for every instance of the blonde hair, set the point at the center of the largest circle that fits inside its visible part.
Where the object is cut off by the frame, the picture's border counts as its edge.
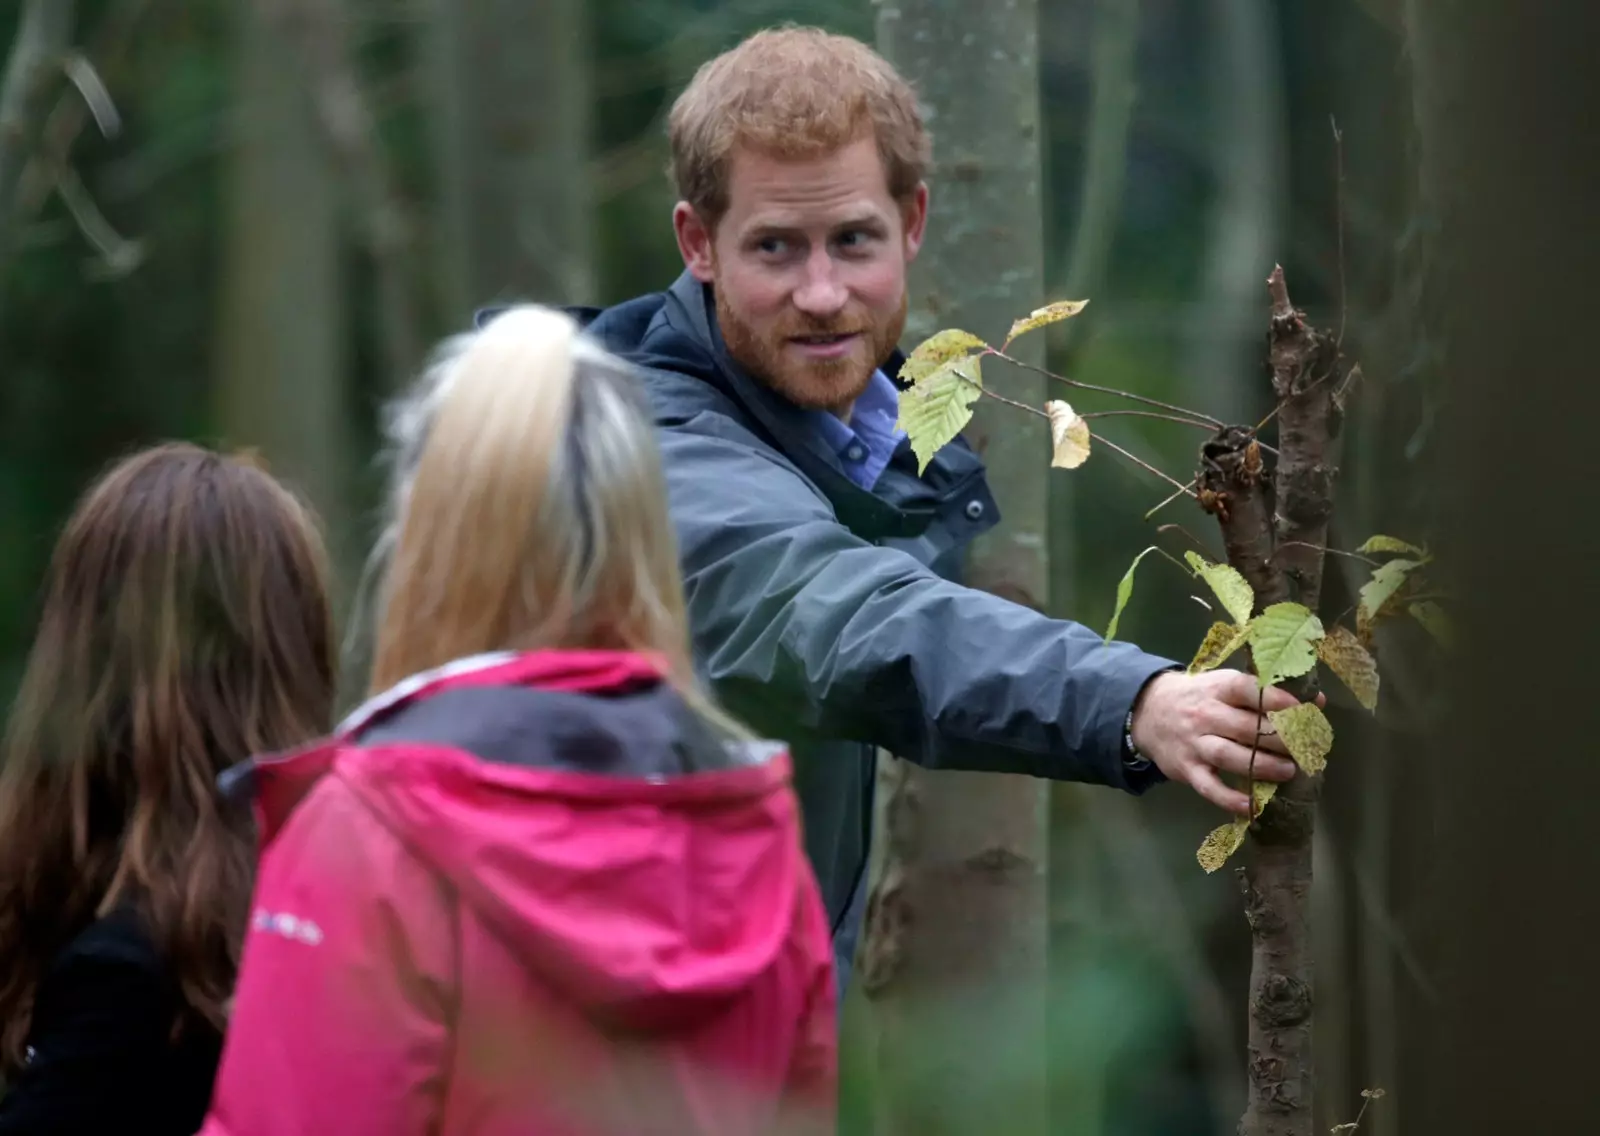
(529, 508)
(792, 92)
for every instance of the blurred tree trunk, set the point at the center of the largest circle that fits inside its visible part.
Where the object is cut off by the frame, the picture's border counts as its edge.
(960, 1001)
(281, 357)
(512, 111)
(1504, 98)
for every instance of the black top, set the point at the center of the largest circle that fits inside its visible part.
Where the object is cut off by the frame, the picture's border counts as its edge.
(101, 1058)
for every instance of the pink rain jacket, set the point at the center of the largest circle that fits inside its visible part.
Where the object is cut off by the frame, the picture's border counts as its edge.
(530, 894)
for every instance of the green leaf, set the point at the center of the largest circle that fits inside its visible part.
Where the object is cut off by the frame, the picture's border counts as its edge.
(1306, 733)
(1220, 642)
(1069, 436)
(1050, 313)
(1348, 659)
(1391, 544)
(1386, 581)
(1231, 588)
(938, 349)
(1222, 842)
(934, 411)
(1435, 621)
(1284, 639)
(1125, 593)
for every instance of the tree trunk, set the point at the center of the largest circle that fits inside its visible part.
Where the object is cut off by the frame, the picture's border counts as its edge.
(511, 91)
(960, 998)
(281, 357)
(1510, 174)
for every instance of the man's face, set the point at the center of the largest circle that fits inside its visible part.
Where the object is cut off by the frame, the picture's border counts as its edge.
(809, 269)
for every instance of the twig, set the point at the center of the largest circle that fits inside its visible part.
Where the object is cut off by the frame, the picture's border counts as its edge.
(1255, 747)
(1189, 489)
(1329, 551)
(1338, 216)
(1136, 460)
(1079, 384)
(44, 32)
(1194, 540)
(1002, 398)
(95, 95)
(121, 256)
(1147, 414)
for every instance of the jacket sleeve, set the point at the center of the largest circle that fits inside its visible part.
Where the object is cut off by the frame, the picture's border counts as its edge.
(806, 630)
(95, 1049)
(341, 1017)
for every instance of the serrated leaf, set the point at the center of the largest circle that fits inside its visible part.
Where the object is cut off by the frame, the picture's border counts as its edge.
(1231, 588)
(1348, 659)
(1435, 621)
(1283, 640)
(1221, 843)
(938, 349)
(934, 411)
(1386, 580)
(1382, 543)
(1220, 642)
(1306, 734)
(1050, 313)
(1260, 793)
(1069, 436)
(1125, 593)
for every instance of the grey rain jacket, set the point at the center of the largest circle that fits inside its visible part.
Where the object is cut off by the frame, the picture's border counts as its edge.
(830, 617)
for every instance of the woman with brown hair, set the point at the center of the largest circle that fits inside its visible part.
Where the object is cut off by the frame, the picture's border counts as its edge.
(186, 625)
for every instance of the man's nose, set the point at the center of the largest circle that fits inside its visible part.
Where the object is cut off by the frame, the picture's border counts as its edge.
(821, 294)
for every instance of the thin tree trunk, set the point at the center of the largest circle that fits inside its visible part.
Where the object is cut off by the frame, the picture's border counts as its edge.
(961, 997)
(512, 113)
(281, 355)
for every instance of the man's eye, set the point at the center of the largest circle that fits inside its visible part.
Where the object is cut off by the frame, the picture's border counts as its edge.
(771, 246)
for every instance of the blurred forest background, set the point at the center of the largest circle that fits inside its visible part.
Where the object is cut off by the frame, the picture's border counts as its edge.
(245, 222)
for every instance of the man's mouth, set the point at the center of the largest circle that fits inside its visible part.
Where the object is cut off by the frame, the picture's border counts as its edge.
(823, 340)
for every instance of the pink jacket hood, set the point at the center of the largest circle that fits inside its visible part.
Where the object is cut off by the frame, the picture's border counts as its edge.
(641, 860)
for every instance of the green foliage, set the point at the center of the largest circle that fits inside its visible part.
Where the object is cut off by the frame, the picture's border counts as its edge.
(1125, 593)
(937, 350)
(1284, 640)
(1386, 581)
(1231, 588)
(1390, 544)
(934, 410)
(1435, 621)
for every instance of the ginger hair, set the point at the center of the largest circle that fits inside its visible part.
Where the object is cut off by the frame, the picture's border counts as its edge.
(792, 93)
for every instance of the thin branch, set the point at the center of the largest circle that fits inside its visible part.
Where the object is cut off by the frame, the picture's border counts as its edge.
(1136, 460)
(1002, 398)
(44, 33)
(1194, 540)
(1080, 385)
(1147, 414)
(1255, 748)
(95, 95)
(1338, 219)
(1328, 551)
(1189, 489)
(121, 256)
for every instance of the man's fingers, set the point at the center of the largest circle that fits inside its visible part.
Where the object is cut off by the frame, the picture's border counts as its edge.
(1241, 725)
(1278, 698)
(1231, 757)
(1208, 785)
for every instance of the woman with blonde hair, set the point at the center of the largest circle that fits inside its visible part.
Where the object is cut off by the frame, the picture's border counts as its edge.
(185, 626)
(538, 883)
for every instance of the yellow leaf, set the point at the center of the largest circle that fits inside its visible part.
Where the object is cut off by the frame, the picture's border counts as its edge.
(1221, 641)
(938, 349)
(1391, 544)
(1260, 793)
(1306, 734)
(1348, 659)
(1050, 313)
(1231, 588)
(1069, 436)
(934, 411)
(1223, 842)
(1283, 640)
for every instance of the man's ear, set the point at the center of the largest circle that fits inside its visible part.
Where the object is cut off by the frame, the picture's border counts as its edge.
(914, 219)
(694, 242)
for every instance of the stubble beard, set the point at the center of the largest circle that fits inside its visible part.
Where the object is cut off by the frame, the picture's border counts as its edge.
(819, 384)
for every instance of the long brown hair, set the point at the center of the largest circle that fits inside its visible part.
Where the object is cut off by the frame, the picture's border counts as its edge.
(186, 625)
